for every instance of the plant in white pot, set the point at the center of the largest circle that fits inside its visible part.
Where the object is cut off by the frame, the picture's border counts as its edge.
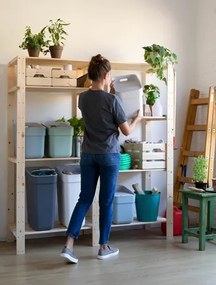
(152, 93)
(57, 33)
(200, 172)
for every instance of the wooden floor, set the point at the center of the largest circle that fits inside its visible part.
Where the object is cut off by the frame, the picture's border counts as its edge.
(146, 257)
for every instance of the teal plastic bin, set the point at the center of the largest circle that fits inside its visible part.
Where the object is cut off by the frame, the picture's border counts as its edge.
(147, 206)
(60, 138)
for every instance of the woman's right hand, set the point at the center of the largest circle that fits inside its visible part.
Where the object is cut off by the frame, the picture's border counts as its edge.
(138, 116)
(112, 89)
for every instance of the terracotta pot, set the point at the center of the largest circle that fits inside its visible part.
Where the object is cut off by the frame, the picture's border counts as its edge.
(33, 52)
(56, 51)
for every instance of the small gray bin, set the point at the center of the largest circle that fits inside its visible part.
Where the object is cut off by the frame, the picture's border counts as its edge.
(41, 186)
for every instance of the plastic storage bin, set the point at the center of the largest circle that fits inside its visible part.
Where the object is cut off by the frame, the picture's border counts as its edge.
(34, 140)
(123, 206)
(59, 140)
(129, 89)
(68, 191)
(41, 197)
(147, 206)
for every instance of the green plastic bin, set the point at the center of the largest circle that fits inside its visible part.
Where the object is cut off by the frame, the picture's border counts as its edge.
(60, 138)
(147, 206)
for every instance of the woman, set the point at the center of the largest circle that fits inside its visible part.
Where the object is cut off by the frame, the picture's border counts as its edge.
(103, 114)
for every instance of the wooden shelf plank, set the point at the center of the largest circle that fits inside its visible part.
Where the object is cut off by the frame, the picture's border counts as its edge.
(55, 89)
(137, 223)
(58, 228)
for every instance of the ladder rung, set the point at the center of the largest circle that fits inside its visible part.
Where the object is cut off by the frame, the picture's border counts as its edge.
(193, 208)
(185, 179)
(200, 101)
(193, 153)
(196, 127)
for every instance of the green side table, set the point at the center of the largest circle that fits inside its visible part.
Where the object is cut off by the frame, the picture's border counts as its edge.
(205, 230)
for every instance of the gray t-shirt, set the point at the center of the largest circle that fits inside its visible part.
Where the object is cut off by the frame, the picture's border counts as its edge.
(102, 113)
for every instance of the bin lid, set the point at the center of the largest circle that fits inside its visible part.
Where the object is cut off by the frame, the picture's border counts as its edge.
(123, 189)
(43, 172)
(34, 125)
(59, 124)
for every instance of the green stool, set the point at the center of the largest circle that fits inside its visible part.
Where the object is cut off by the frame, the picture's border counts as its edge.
(205, 231)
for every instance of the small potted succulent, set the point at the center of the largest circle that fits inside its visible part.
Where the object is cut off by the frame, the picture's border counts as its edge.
(35, 43)
(158, 58)
(57, 33)
(200, 172)
(152, 93)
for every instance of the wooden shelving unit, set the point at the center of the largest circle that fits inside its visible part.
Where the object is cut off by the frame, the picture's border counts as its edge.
(17, 92)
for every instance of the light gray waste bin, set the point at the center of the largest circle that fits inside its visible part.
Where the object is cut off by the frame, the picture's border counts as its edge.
(68, 191)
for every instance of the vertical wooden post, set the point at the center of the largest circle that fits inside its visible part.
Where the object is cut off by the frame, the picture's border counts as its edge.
(170, 145)
(20, 152)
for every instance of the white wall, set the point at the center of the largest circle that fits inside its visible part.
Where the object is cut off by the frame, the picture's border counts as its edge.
(206, 45)
(116, 29)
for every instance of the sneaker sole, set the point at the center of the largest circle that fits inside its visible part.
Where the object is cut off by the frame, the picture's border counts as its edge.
(69, 258)
(102, 257)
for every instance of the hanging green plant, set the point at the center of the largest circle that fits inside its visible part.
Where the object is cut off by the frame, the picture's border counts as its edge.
(158, 57)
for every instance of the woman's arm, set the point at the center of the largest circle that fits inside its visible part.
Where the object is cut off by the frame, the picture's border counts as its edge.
(127, 128)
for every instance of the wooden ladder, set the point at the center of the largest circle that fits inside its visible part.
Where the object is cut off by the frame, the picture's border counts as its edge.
(209, 141)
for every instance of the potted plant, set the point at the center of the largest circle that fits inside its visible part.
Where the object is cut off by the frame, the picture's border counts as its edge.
(200, 172)
(78, 126)
(57, 33)
(152, 94)
(35, 43)
(158, 57)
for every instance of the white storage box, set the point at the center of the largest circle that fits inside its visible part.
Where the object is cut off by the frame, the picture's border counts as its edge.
(123, 206)
(129, 89)
(147, 155)
(68, 190)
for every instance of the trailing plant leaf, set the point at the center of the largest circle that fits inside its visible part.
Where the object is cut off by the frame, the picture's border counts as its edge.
(158, 57)
(61, 120)
(78, 125)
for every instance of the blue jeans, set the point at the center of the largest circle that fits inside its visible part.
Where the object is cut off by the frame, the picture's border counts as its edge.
(93, 166)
